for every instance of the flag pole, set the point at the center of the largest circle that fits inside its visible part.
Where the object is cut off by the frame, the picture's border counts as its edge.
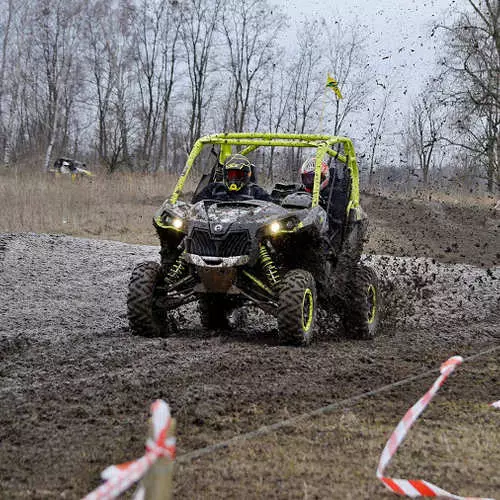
(332, 84)
(322, 112)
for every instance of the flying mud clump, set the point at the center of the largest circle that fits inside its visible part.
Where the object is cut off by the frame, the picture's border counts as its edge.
(423, 293)
(76, 282)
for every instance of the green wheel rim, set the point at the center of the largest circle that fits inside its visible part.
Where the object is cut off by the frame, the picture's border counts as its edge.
(307, 310)
(371, 297)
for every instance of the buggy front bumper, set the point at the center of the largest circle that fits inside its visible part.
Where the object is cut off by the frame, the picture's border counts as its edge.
(218, 262)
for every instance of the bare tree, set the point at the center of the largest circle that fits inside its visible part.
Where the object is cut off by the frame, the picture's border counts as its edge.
(101, 68)
(348, 62)
(111, 57)
(306, 85)
(199, 23)
(277, 100)
(135, 69)
(20, 92)
(471, 83)
(147, 43)
(56, 36)
(424, 131)
(6, 28)
(376, 126)
(169, 56)
(157, 34)
(250, 37)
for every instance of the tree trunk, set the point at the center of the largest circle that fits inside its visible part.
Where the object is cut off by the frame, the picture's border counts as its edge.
(5, 42)
(53, 133)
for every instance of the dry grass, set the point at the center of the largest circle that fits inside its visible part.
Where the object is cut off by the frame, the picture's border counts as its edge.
(118, 207)
(455, 445)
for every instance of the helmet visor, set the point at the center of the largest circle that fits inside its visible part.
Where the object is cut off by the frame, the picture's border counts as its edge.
(234, 175)
(308, 179)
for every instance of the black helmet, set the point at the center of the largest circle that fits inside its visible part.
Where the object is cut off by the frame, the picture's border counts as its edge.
(237, 172)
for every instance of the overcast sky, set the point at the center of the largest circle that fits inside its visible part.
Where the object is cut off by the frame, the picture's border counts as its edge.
(398, 32)
(401, 48)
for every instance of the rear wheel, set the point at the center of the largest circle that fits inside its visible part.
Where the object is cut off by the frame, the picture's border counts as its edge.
(144, 317)
(297, 307)
(361, 311)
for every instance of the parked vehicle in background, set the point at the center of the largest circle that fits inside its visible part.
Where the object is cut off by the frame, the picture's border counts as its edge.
(66, 166)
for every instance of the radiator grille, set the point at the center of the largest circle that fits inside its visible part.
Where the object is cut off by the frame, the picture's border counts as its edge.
(233, 244)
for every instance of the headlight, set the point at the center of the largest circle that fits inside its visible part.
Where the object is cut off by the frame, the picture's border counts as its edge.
(288, 225)
(177, 223)
(275, 227)
(168, 221)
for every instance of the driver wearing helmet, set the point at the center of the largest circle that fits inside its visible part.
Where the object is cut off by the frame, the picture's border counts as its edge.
(236, 183)
(307, 178)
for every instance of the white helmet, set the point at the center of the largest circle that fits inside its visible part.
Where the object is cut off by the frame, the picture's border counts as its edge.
(307, 174)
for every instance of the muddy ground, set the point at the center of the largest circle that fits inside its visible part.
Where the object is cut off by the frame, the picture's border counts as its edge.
(75, 385)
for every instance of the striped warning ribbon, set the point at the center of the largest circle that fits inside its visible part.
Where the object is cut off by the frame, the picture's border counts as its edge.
(120, 477)
(417, 487)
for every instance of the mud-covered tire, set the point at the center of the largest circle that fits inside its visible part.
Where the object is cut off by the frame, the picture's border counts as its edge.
(361, 312)
(213, 311)
(144, 319)
(297, 307)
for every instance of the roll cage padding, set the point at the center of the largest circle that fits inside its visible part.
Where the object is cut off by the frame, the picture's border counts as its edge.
(338, 203)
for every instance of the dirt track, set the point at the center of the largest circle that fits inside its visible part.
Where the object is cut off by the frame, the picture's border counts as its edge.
(75, 385)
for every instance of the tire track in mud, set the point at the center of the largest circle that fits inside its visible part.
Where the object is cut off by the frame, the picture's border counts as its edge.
(70, 366)
(3, 246)
(80, 283)
(65, 306)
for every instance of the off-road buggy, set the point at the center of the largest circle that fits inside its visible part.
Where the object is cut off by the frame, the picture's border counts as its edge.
(288, 257)
(67, 166)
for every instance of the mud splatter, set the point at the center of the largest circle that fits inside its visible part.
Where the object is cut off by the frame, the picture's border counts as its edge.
(70, 367)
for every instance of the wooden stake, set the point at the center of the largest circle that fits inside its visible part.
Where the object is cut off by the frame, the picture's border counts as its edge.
(158, 481)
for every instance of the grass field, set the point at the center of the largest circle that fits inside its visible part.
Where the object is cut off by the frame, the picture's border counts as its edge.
(118, 207)
(115, 207)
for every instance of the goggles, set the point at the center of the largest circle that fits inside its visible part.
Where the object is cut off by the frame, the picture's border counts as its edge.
(235, 175)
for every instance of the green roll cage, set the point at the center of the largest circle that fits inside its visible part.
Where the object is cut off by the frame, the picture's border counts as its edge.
(323, 143)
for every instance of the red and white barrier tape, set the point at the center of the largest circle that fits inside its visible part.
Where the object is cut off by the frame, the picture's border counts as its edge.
(417, 487)
(120, 477)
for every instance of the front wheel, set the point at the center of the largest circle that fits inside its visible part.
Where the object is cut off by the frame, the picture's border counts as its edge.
(144, 317)
(297, 307)
(361, 313)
